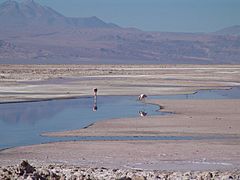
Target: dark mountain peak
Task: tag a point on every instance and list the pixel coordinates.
(8, 5)
(30, 4)
(26, 13)
(12, 3)
(10, 13)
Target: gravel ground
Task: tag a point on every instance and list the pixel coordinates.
(27, 171)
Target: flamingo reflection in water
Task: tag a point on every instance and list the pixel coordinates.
(142, 113)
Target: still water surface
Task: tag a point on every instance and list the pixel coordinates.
(22, 123)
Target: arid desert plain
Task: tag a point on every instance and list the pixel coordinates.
(206, 131)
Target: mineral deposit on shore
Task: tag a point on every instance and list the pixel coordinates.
(27, 171)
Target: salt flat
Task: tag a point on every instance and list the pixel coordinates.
(203, 118)
(38, 82)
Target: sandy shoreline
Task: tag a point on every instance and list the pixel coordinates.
(191, 117)
(152, 155)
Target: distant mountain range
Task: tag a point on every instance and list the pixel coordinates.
(29, 13)
(31, 33)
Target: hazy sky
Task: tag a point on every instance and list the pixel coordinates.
(155, 15)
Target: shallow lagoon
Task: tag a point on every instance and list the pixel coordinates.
(22, 123)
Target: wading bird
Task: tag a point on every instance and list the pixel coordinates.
(95, 91)
(142, 97)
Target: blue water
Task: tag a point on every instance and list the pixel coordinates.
(232, 93)
(22, 123)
